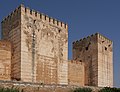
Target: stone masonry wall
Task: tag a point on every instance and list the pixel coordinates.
(76, 73)
(96, 53)
(105, 61)
(37, 39)
(5, 60)
(33, 87)
(46, 71)
(39, 52)
(85, 50)
(44, 40)
(11, 31)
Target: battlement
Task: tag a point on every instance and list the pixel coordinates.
(102, 37)
(38, 15)
(98, 35)
(44, 17)
(76, 62)
(12, 16)
(83, 39)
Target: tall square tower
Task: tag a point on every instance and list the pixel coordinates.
(97, 54)
(39, 46)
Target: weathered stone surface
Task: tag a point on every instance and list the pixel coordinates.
(47, 46)
(31, 87)
(39, 47)
(40, 52)
(96, 53)
(76, 73)
(5, 60)
(11, 31)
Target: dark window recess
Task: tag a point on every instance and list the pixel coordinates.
(45, 17)
(105, 48)
(61, 24)
(25, 10)
(53, 21)
(38, 30)
(65, 25)
(103, 41)
(86, 48)
(80, 60)
(35, 13)
(49, 19)
(57, 23)
(109, 45)
(59, 31)
(34, 21)
(40, 16)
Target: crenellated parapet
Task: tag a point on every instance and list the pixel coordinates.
(76, 62)
(41, 16)
(104, 39)
(26, 10)
(93, 36)
(13, 16)
(84, 41)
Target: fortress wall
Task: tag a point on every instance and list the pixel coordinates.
(5, 60)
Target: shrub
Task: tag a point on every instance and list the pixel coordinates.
(108, 89)
(9, 90)
(83, 90)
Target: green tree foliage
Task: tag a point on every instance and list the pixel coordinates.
(108, 89)
(105, 89)
(83, 90)
(9, 90)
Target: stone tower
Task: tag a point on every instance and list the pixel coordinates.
(39, 46)
(96, 53)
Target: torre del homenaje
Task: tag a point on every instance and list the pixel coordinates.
(34, 48)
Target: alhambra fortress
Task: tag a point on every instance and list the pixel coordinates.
(34, 48)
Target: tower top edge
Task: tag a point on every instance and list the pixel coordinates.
(97, 34)
(37, 14)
